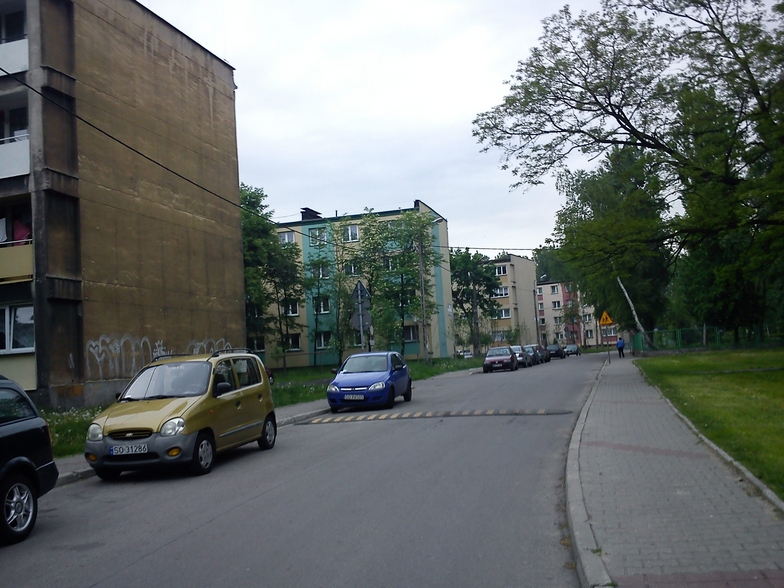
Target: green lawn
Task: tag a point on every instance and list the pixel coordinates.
(735, 399)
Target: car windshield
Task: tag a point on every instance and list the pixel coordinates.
(498, 351)
(169, 380)
(517, 349)
(365, 363)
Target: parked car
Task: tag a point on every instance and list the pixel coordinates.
(465, 354)
(572, 349)
(533, 351)
(556, 351)
(499, 358)
(544, 352)
(370, 379)
(181, 410)
(524, 359)
(27, 468)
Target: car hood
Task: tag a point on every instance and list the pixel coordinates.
(359, 380)
(144, 414)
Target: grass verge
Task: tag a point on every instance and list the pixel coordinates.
(735, 399)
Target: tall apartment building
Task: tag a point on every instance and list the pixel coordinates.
(564, 318)
(516, 320)
(120, 231)
(435, 338)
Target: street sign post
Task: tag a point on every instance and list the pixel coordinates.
(604, 322)
(360, 318)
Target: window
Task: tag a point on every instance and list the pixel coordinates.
(501, 292)
(224, 373)
(351, 269)
(504, 313)
(318, 237)
(539, 290)
(543, 321)
(411, 333)
(291, 308)
(322, 339)
(499, 336)
(292, 342)
(559, 335)
(17, 329)
(287, 237)
(323, 271)
(321, 305)
(12, 27)
(13, 406)
(13, 124)
(351, 233)
(556, 304)
(541, 306)
(589, 334)
(247, 371)
(587, 318)
(608, 332)
(500, 270)
(557, 320)
(554, 289)
(569, 303)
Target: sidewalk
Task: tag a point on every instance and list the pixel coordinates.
(75, 468)
(651, 504)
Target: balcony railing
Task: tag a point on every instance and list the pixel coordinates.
(16, 261)
(14, 56)
(14, 156)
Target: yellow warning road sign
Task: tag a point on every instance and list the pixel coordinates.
(605, 320)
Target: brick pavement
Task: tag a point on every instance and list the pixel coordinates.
(664, 509)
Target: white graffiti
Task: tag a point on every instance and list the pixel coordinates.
(208, 346)
(114, 356)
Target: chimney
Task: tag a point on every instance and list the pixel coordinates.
(310, 214)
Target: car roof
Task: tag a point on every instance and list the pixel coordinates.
(220, 354)
(371, 353)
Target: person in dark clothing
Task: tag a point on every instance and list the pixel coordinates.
(620, 345)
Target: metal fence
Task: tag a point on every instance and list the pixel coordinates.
(707, 337)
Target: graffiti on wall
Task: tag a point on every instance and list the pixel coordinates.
(113, 357)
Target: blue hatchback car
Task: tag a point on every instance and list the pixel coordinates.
(370, 379)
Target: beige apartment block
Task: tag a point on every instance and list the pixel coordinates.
(120, 233)
(515, 322)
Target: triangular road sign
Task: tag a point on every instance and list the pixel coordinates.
(605, 320)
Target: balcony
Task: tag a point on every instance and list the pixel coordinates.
(14, 156)
(16, 262)
(14, 57)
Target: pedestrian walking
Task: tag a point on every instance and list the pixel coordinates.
(620, 345)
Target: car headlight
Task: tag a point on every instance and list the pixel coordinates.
(172, 427)
(378, 386)
(94, 432)
(333, 388)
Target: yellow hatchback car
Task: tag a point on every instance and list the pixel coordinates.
(182, 409)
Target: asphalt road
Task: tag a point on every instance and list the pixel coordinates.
(472, 498)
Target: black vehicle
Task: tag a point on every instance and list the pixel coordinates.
(27, 468)
(573, 349)
(556, 351)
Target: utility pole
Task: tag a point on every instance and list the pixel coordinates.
(425, 350)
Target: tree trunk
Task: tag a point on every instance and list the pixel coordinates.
(634, 313)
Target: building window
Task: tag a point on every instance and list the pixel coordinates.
(501, 292)
(287, 237)
(411, 333)
(608, 332)
(291, 308)
(351, 233)
(587, 318)
(292, 342)
(541, 305)
(504, 313)
(12, 27)
(543, 321)
(13, 125)
(559, 335)
(569, 303)
(589, 334)
(318, 237)
(556, 304)
(351, 269)
(322, 339)
(18, 329)
(557, 320)
(539, 290)
(500, 270)
(321, 305)
(499, 336)
(554, 289)
(323, 271)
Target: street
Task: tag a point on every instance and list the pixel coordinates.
(472, 498)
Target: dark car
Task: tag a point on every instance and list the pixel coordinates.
(556, 351)
(524, 358)
(370, 379)
(572, 349)
(27, 468)
(499, 358)
(543, 352)
(533, 351)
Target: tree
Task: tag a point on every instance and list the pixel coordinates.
(473, 286)
(284, 281)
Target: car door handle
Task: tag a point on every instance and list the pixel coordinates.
(237, 404)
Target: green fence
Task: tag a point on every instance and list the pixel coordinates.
(708, 337)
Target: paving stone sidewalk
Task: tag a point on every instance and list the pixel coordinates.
(664, 509)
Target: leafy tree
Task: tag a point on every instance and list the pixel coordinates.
(284, 282)
(473, 285)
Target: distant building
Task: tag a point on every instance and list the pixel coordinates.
(564, 318)
(306, 234)
(515, 322)
(107, 259)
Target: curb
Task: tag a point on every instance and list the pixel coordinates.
(88, 472)
(590, 566)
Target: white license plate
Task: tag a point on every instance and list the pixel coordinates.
(127, 449)
(354, 397)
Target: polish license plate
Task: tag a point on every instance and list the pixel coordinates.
(127, 449)
(354, 397)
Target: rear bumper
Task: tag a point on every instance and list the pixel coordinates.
(47, 477)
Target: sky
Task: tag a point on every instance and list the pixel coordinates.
(352, 104)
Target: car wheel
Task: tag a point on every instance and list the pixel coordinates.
(484, 370)
(20, 508)
(391, 399)
(407, 395)
(107, 474)
(268, 434)
(333, 409)
(203, 455)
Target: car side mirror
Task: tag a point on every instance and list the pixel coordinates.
(221, 388)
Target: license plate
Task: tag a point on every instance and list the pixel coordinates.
(127, 449)
(354, 397)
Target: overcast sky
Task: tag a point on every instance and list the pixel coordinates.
(347, 104)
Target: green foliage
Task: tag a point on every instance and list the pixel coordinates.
(473, 285)
(69, 428)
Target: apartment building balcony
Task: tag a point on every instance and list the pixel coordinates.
(14, 57)
(15, 156)
(16, 262)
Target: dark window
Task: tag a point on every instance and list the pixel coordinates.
(13, 406)
(247, 372)
(12, 27)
